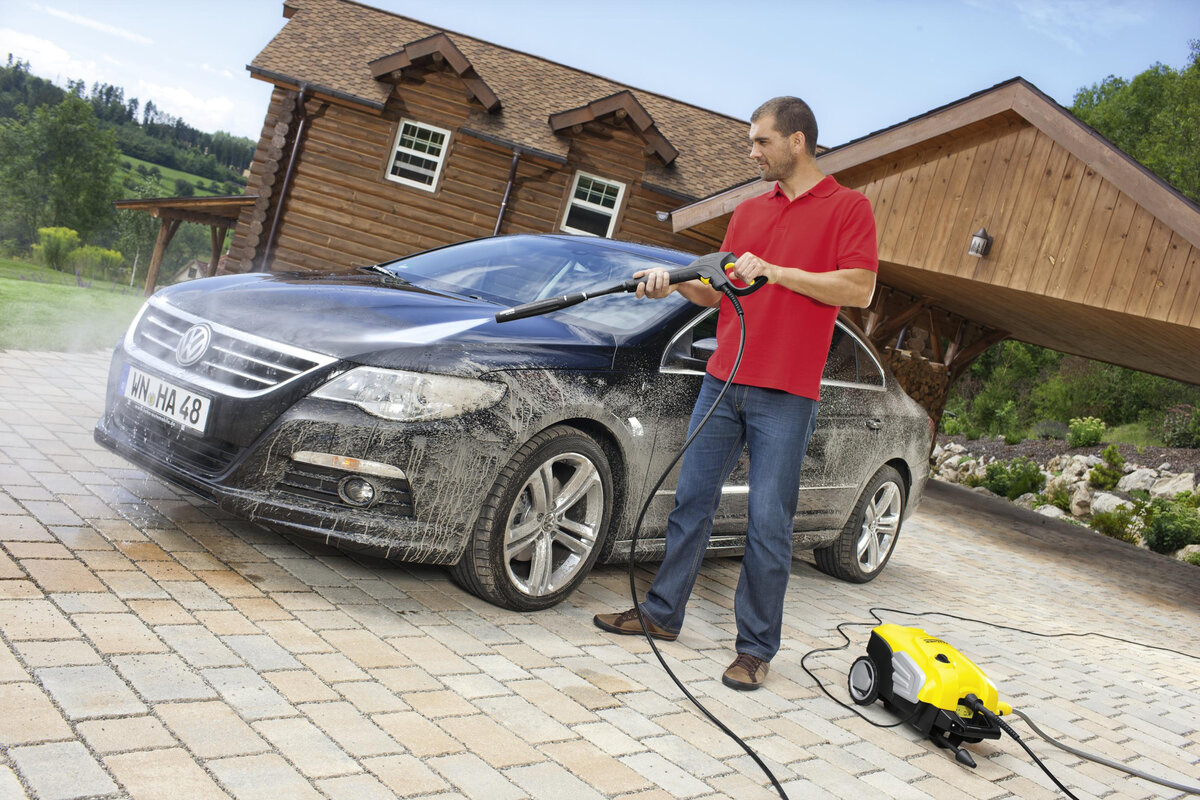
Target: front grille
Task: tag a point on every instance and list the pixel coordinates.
(321, 483)
(236, 363)
(169, 445)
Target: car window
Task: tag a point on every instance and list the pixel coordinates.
(850, 362)
(520, 269)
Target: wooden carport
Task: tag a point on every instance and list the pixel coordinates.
(218, 213)
(1092, 254)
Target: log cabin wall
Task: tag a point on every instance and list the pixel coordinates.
(342, 211)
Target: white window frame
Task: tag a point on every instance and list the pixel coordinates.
(573, 201)
(440, 160)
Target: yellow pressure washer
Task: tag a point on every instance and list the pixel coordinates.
(939, 690)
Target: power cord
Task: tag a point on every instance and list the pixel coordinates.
(979, 705)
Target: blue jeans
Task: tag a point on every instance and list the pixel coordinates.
(776, 426)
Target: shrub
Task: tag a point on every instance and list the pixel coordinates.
(1085, 431)
(1014, 478)
(1193, 558)
(951, 424)
(54, 245)
(1050, 429)
(1170, 526)
(1181, 426)
(1118, 524)
(1059, 496)
(97, 262)
(1108, 474)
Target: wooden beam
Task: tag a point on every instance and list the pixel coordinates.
(974, 350)
(217, 236)
(885, 330)
(956, 343)
(166, 232)
(935, 338)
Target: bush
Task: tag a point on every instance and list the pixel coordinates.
(1181, 426)
(1059, 496)
(1108, 474)
(1014, 478)
(54, 245)
(1050, 429)
(1117, 524)
(1193, 558)
(1085, 431)
(97, 262)
(1170, 526)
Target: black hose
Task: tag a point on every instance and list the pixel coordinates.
(637, 527)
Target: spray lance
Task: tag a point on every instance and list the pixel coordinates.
(709, 269)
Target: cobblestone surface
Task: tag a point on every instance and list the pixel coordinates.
(155, 647)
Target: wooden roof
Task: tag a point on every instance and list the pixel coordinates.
(221, 211)
(1093, 254)
(338, 47)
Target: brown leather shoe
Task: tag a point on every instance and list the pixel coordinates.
(626, 623)
(746, 672)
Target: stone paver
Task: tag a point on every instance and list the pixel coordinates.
(154, 647)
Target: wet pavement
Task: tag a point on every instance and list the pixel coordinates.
(155, 647)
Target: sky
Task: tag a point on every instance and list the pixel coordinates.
(863, 65)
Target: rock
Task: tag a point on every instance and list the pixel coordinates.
(1187, 551)
(1076, 469)
(1057, 482)
(1026, 500)
(1164, 467)
(1141, 478)
(1105, 503)
(1053, 512)
(1172, 485)
(954, 448)
(1081, 501)
(937, 451)
(1056, 464)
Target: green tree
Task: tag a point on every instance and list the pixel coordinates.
(56, 170)
(1155, 117)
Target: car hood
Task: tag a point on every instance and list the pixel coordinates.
(371, 320)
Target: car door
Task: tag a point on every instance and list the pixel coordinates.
(838, 459)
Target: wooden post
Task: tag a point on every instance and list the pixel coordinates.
(218, 238)
(166, 232)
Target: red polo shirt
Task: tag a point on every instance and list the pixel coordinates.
(788, 334)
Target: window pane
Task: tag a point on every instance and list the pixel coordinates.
(843, 357)
(414, 168)
(582, 218)
(597, 192)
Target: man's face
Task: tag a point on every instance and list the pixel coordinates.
(772, 151)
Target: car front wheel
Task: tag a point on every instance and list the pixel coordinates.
(867, 541)
(542, 524)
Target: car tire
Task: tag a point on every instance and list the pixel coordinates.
(869, 538)
(542, 524)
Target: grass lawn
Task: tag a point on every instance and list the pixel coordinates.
(47, 311)
(167, 181)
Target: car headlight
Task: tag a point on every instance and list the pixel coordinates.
(410, 396)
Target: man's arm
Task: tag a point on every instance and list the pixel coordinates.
(657, 284)
(851, 288)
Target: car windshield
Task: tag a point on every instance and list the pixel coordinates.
(511, 270)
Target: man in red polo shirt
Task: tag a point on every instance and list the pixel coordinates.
(814, 240)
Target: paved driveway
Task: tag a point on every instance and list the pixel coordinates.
(155, 648)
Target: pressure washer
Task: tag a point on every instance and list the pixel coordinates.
(927, 682)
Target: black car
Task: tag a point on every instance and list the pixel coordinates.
(387, 410)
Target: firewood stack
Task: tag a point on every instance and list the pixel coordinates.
(925, 381)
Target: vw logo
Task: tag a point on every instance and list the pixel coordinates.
(193, 345)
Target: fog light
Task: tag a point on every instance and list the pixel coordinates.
(356, 491)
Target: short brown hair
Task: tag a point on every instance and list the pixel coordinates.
(791, 114)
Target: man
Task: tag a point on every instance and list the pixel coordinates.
(814, 240)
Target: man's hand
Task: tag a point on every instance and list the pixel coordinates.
(750, 266)
(657, 283)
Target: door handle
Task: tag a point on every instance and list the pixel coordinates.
(874, 424)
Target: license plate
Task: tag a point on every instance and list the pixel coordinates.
(179, 405)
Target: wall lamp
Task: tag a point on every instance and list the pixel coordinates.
(662, 216)
(981, 243)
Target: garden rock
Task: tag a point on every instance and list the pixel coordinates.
(1105, 503)
(1053, 512)
(1187, 551)
(1026, 500)
(1081, 501)
(1141, 478)
(1172, 485)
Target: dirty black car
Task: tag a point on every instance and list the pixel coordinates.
(387, 410)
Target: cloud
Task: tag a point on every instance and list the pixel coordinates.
(211, 70)
(44, 56)
(1067, 21)
(212, 113)
(96, 25)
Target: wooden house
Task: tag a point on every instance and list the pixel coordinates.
(385, 135)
